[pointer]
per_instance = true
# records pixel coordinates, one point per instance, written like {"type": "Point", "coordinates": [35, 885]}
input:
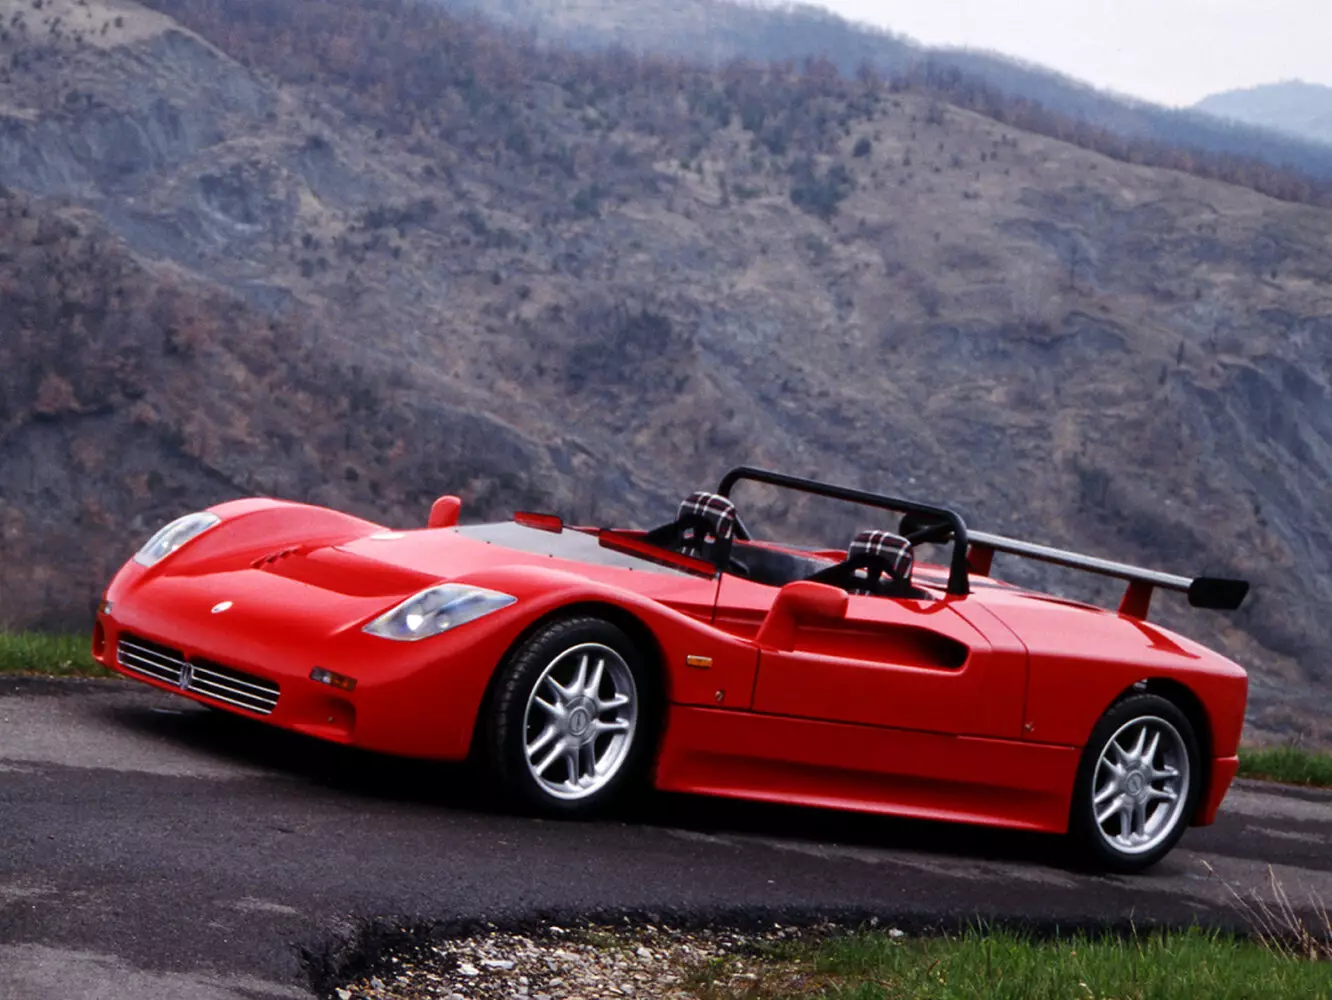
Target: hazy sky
{"type": "Point", "coordinates": [1171, 51]}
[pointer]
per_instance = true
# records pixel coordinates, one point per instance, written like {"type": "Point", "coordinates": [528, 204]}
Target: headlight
{"type": "Point", "coordinates": [173, 536]}
{"type": "Point", "coordinates": [437, 610]}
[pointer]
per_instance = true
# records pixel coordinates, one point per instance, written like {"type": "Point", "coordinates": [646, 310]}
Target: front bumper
{"type": "Point", "coordinates": [261, 691]}
{"type": "Point", "coordinates": [413, 699]}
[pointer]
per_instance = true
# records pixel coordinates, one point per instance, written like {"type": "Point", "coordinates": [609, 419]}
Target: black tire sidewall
{"type": "Point", "coordinates": [505, 727]}
{"type": "Point", "coordinates": [1082, 820]}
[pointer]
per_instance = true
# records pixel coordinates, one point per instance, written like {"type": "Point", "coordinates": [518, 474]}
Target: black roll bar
{"type": "Point", "coordinates": [958, 582]}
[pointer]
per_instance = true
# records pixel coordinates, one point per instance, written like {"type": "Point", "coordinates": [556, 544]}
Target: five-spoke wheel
{"type": "Point", "coordinates": [580, 721]}
{"type": "Point", "coordinates": [1137, 784]}
{"type": "Point", "coordinates": [571, 718]}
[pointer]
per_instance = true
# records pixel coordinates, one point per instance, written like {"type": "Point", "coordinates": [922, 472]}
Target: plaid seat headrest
{"type": "Point", "coordinates": [717, 510]}
{"type": "Point", "coordinates": [893, 549]}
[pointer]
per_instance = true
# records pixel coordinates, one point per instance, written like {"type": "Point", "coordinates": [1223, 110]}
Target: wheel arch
{"type": "Point", "coordinates": [1187, 701]}
{"type": "Point", "coordinates": [622, 618]}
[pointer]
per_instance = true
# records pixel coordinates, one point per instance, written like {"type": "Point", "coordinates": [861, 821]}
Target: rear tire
{"type": "Point", "coordinates": [572, 723]}
{"type": "Point", "coordinates": [1137, 785]}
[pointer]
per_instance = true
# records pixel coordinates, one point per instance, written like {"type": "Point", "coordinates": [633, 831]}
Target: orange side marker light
{"type": "Point", "coordinates": [339, 681]}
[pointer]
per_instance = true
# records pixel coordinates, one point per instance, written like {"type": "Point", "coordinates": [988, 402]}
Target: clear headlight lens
{"type": "Point", "coordinates": [173, 536]}
{"type": "Point", "coordinates": [437, 610]}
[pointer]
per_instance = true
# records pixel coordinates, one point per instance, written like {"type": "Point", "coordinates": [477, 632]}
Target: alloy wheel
{"type": "Point", "coordinates": [580, 721]}
{"type": "Point", "coordinates": [1140, 786]}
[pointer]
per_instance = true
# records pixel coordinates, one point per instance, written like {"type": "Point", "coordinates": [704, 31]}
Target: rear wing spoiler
{"type": "Point", "coordinates": [973, 551]}
{"type": "Point", "coordinates": [1214, 593]}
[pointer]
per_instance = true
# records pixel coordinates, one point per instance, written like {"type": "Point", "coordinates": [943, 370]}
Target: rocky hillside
{"type": "Point", "coordinates": [362, 254]}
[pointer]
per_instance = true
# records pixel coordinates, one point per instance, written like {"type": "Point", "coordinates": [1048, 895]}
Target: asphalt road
{"type": "Point", "coordinates": [149, 848]}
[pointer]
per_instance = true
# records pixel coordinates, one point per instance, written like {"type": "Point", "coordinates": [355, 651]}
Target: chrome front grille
{"type": "Point", "coordinates": [235, 688]}
{"type": "Point", "coordinates": [212, 680]}
{"type": "Point", "coordinates": [158, 662]}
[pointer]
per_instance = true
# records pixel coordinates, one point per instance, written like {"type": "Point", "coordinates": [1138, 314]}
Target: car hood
{"type": "Point", "coordinates": [396, 564]}
{"type": "Point", "coordinates": [315, 589]}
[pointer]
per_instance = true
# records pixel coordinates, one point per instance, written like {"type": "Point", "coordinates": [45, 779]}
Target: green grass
{"type": "Point", "coordinates": [1288, 764]}
{"type": "Point", "coordinates": [1005, 966]}
{"type": "Point", "coordinates": [48, 655]}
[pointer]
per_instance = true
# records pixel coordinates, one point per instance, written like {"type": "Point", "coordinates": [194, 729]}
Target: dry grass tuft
{"type": "Point", "coordinates": [1279, 926]}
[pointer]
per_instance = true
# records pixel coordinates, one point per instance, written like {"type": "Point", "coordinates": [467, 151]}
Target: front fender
{"type": "Point", "coordinates": [685, 642]}
{"type": "Point", "coordinates": [249, 530]}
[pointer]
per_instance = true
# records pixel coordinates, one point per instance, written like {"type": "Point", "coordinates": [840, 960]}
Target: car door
{"type": "Point", "coordinates": [891, 663]}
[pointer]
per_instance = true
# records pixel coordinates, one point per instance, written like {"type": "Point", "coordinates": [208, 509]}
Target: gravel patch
{"type": "Point", "coordinates": [583, 963]}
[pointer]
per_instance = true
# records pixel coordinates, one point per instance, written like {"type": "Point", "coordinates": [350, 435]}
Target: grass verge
{"type": "Point", "coordinates": [48, 655]}
{"type": "Point", "coordinates": [1008, 966]}
{"type": "Point", "coordinates": [1291, 765]}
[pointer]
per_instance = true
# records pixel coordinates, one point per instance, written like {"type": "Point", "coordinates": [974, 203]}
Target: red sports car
{"type": "Point", "coordinates": [576, 662]}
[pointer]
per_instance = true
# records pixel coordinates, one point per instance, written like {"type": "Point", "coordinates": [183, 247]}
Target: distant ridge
{"type": "Point", "coordinates": [1293, 106]}
{"type": "Point", "coordinates": [720, 30]}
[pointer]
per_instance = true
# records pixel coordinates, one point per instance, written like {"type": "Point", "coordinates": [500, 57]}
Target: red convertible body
{"type": "Point", "coordinates": [776, 673]}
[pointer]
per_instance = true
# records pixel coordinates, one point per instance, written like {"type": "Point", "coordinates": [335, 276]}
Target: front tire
{"type": "Point", "coordinates": [1137, 785]}
{"type": "Point", "coordinates": [571, 725]}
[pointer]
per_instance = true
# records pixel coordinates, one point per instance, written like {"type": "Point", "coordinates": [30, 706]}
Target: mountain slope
{"type": "Point", "coordinates": [368, 254]}
{"type": "Point", "coordinates": [1303, 109]}
{"type": "Point", "coordinates": [720, 30]}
